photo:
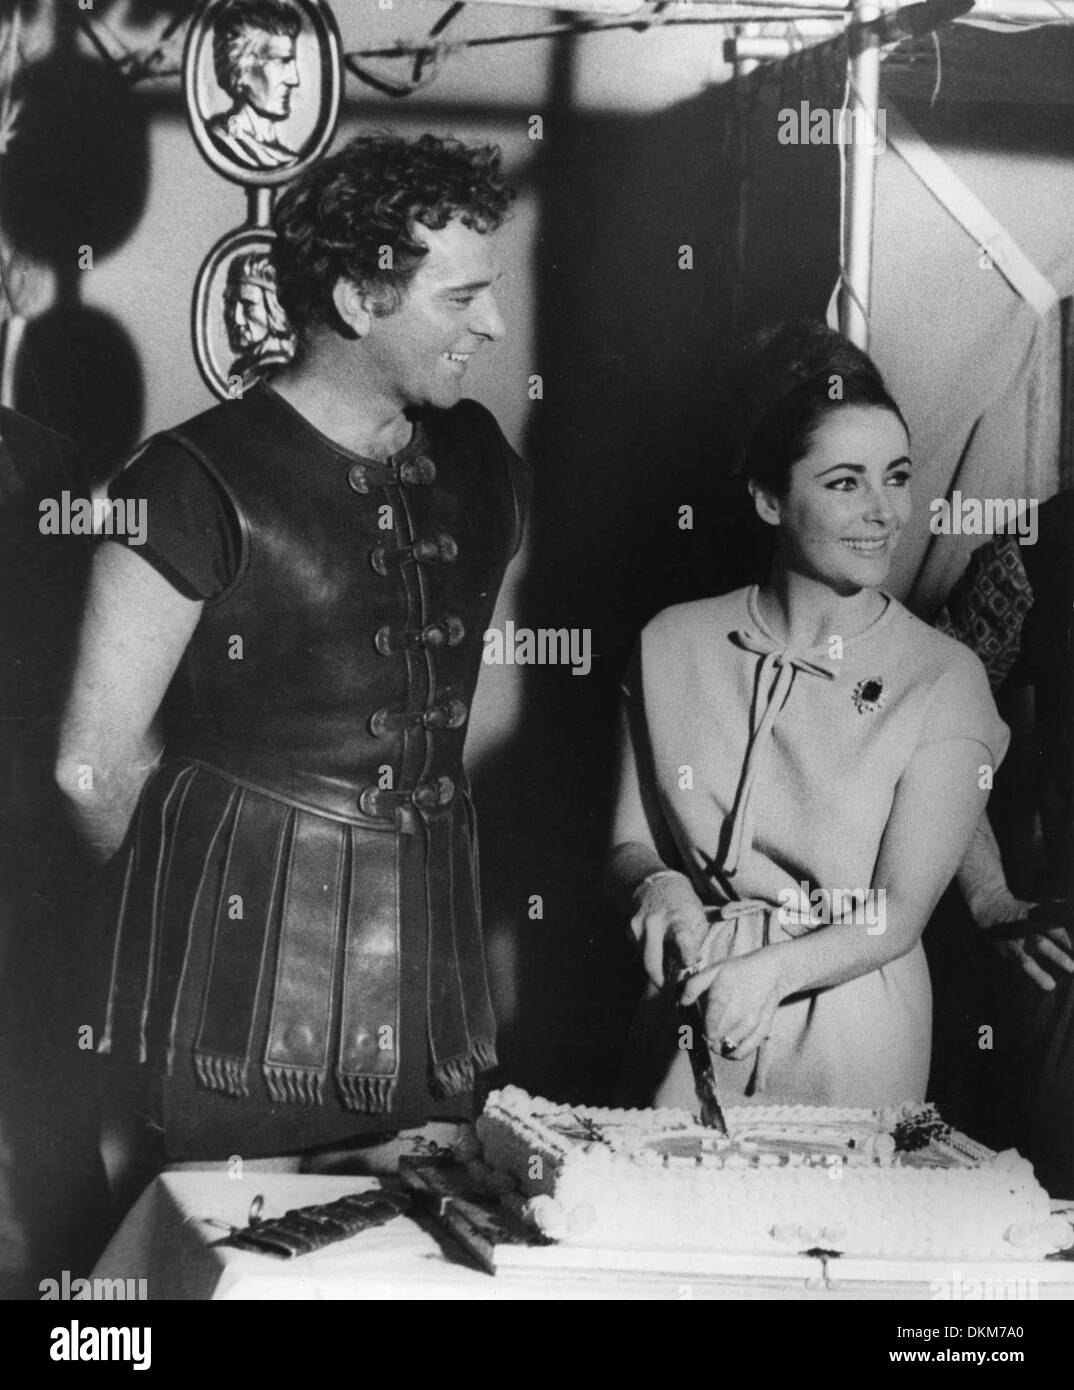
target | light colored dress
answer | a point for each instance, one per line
(760, 768)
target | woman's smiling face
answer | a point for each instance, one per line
(847, 501)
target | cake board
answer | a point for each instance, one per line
(505, 1247)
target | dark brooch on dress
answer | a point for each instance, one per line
(868, 695)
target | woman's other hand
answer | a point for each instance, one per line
(668, 918)
(744, 993)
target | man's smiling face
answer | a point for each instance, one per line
(419, 354)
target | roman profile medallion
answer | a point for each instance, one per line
(240, 330)
(868, 695)
(262, 81)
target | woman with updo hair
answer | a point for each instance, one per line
(803, 763)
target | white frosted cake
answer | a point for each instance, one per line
(786, 1179)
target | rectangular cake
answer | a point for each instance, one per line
(786, 1179)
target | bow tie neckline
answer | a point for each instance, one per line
(780, 665)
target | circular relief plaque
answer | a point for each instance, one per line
(239, 329)
(262, 80)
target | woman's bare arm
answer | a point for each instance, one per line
(937, 806)
(664, 906)
(633, 854)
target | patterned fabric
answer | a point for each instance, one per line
(987, 608)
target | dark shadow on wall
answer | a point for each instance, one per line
(629, 431)
(53, 1198)
(74, 184)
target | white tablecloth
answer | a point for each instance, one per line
(169, 1236)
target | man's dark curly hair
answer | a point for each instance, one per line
(333, 222)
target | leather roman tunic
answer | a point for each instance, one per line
(308, 838)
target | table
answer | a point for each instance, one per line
(168, 1239)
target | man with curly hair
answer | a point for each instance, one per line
(254, 62)
(298, 951)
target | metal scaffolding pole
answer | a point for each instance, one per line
(861, 150)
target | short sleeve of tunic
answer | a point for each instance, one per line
(192, 534)
(518, 470)
(962, 707)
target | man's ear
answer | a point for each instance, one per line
(767, 503)
(354, 306)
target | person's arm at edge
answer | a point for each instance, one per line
(991, 903)
(134, 631)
